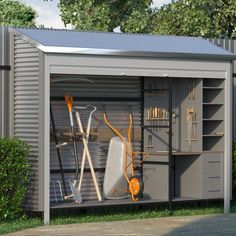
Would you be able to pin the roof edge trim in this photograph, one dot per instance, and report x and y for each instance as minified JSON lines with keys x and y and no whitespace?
{"x":26,"y":38}
{"x":112,"y":52}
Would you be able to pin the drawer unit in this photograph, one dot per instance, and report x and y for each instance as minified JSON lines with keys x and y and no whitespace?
{"x":213,"y":175}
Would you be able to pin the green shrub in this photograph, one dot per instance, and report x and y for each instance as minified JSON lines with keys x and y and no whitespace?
{"x":14,"y":171}
{"x":234,"y":171}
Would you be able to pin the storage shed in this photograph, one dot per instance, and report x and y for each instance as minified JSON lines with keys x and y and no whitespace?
{"x":178,"y":89}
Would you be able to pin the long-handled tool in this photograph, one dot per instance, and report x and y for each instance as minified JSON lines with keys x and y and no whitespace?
{"x":58,"y":146}
{"x":74,"y":183}
{"x":86,"y":152}
{"x":93,"y":109}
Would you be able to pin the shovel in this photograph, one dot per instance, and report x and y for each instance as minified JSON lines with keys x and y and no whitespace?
{"x":74,"y":183}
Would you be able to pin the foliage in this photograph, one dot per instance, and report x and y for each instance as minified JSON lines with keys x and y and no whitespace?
{"x":105,"y":15}
{"x":205,"y":18}
{"x":19,"y":224}
{"x":14,"y":13}
{"x":13,"y":176}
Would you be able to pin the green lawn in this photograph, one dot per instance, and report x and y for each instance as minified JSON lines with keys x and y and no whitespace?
{"x":113,"y":214}
{"x":16,"y":225}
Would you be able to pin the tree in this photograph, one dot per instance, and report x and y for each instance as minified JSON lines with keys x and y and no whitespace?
{"x":205,"y":18}
{"x":105,"y":15}
{"x":14,"y":13}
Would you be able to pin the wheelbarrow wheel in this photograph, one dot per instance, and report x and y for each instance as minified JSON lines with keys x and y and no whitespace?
{"x":136,"y":186}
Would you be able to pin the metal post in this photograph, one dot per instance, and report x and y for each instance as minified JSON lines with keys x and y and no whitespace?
{"x":228,"y":141}
{"x":45,"y":139}
{"x":58,"y":151}
{"x":170,"y":145}
{"x":142,"y":123}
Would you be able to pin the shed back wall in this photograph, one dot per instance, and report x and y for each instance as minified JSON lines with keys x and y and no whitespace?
{"x":117,"y":96}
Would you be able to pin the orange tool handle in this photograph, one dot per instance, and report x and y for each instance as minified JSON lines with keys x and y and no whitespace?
{"x":69,"y":102}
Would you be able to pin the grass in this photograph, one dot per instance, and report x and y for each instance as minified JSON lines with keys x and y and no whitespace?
{"x":19,"y":224}
{"x":111,"y":214}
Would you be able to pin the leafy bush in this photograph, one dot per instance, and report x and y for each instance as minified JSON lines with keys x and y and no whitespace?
{"x":234,"y":171}
{"x":14,"y":171}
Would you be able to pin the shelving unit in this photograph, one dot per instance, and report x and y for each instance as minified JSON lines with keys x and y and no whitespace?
{"x":213,"y":138}
{"x":213,"y":114}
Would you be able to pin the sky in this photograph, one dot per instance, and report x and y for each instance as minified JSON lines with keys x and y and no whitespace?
{"x":48,"y":12}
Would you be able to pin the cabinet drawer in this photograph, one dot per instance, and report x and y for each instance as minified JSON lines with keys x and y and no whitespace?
{"x":212,"y":160}
{"x":212,"y":174}
{"x":213,"y":189}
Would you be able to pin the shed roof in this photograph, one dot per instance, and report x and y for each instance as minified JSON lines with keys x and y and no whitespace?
{"x":69,"y":41}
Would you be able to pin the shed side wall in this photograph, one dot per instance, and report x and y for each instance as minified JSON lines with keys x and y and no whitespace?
{"x":4,"y":81}
{"x":25,"y":108}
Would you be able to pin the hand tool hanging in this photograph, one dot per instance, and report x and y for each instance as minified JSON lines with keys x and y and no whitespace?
{"x":58,"y":146}
{"x":192,"y":86}
{"x":74,"y":183}
{"x":191,"y":124}
{"x":86,"y":152}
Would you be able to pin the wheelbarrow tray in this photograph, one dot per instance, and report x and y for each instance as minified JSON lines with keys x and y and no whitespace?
{"x":115,"y":185}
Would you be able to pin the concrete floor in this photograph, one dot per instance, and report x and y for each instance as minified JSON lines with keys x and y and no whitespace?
{"x":219,"y":225}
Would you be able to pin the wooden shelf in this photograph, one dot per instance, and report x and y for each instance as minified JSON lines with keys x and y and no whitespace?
{"x":212,"y":119}
{"x":213,"y":151}
{"x":212,"y":135}
{"x":213,"y":104}
{"x":163,"y":153}
{"x":156,"y":90}
{"x":212,"y":88}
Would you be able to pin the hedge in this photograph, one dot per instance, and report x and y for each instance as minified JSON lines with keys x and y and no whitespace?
{"x":14,"y":170}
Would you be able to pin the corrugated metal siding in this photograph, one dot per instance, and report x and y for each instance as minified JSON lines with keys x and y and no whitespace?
{"x":118,"y":115}
{"x":4,"y":80}
{"x":98,"y":87}
{"x":230,"y":45}
{"x":26,"y":110}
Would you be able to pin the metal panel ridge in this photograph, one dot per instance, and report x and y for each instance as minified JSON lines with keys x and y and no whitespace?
{"x":73,"y":42}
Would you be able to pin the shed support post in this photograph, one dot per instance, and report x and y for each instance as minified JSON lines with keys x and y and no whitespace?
{"x":2,"y":106}
{"x":46,"y":217}
{"x":228,"y":141}
{"x":46,"y":142}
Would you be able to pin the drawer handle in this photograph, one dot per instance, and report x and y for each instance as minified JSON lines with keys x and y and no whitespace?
{"x":213,"y":177}
{"x":213,"y":190}
{"x":213,"y":161}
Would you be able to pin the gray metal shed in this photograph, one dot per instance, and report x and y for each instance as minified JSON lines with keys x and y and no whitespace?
{"x":130,"y":72}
